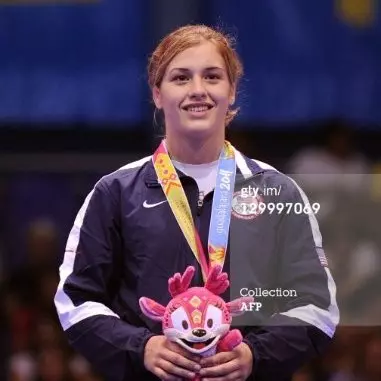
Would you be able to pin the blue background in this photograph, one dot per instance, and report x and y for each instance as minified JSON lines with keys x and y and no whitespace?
{"x":86,"y":63}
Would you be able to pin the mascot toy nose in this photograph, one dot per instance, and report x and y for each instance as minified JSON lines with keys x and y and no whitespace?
{"x":199,"y":332}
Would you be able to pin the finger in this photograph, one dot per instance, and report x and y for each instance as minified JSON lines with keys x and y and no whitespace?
{"x":163,"y":375}
{"x":217,"y":359}
{"x":235,"y":376}
{"x":175,"y":370}
{"x":192,"y":356}
{"x":178,"y":349}
{"x":179,"y":360}
{"x":220,"y":370}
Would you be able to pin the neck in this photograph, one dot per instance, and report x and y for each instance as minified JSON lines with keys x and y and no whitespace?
{"x":195,"y":151}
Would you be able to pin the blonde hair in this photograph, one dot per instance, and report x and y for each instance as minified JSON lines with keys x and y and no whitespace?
{"x":187,"y":37}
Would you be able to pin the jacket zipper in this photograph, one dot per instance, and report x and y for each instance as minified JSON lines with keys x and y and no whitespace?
{"x":200,"y":202}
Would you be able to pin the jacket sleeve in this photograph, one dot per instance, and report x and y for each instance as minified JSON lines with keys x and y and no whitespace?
{"x":303,"y":325}
{"x":87,"y":286}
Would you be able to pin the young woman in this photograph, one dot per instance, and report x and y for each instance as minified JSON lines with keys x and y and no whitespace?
{"x":132,"y":233}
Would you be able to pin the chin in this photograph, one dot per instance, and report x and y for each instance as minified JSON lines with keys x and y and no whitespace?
{"x":202,"y":128}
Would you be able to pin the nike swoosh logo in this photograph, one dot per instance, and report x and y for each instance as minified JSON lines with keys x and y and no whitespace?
{"x":146,"y":205}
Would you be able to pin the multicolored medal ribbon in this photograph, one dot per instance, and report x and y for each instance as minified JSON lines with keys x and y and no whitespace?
{"x":221,"y":207}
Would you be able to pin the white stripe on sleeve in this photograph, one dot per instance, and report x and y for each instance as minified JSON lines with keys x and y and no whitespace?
{"x":325,"y":320}
{"x":68,"y":313}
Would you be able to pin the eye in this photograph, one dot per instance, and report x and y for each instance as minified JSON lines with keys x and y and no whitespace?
{"x":180,"y":319}
{"x":180,"y":78}
{"x":213,"y":317}
{"x":213,"y":77}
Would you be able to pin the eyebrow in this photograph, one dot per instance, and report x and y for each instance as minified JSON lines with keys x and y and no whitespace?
{"x":185,"y":70}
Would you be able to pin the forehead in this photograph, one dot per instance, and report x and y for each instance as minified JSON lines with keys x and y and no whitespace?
{"x":199,"y":56}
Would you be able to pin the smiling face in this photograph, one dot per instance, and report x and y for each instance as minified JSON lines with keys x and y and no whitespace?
{"x":196,"y":320}
{"x":195,"y":92}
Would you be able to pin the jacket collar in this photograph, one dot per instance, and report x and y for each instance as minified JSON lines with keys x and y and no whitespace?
{"x":245,"y":167}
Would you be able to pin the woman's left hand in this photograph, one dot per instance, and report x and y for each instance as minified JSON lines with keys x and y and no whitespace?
{"x":228,"y":366}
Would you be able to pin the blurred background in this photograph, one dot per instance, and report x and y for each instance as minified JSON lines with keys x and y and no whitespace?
{"x":75,"y":105}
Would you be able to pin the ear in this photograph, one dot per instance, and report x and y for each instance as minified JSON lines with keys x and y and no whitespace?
{"x":235,"y":307}
{"x":151,"y":309}
{"x":156,"y":95}
{"x":232,"y":95}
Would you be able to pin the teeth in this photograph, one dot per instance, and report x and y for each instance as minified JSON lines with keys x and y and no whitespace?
{"x":197,"y":108}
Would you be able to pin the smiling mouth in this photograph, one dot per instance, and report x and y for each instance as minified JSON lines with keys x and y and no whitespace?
{"x":197,"y":345}
{"x":198,"y":108}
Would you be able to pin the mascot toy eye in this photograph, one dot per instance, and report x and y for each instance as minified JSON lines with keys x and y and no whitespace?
{"x":197,"y":318}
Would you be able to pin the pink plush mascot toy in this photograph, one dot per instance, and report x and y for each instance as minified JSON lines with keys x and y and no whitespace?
{"x":197,"y":318}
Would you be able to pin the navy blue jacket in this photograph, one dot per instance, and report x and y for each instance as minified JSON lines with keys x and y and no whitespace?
{"x":119,"y":250}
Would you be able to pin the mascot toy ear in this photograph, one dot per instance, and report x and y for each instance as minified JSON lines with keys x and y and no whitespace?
{"x":236,"y":306}
{"x":152,"y":309}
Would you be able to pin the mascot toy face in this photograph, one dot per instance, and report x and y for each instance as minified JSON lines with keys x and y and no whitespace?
{"x":196,"y":318}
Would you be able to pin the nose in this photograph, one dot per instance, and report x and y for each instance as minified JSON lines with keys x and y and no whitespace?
{"x":197,"y":89}
{"x":199,"y":332}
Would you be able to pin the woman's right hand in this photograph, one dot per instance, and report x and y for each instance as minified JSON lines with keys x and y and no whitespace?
{"x":169,"y":361}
